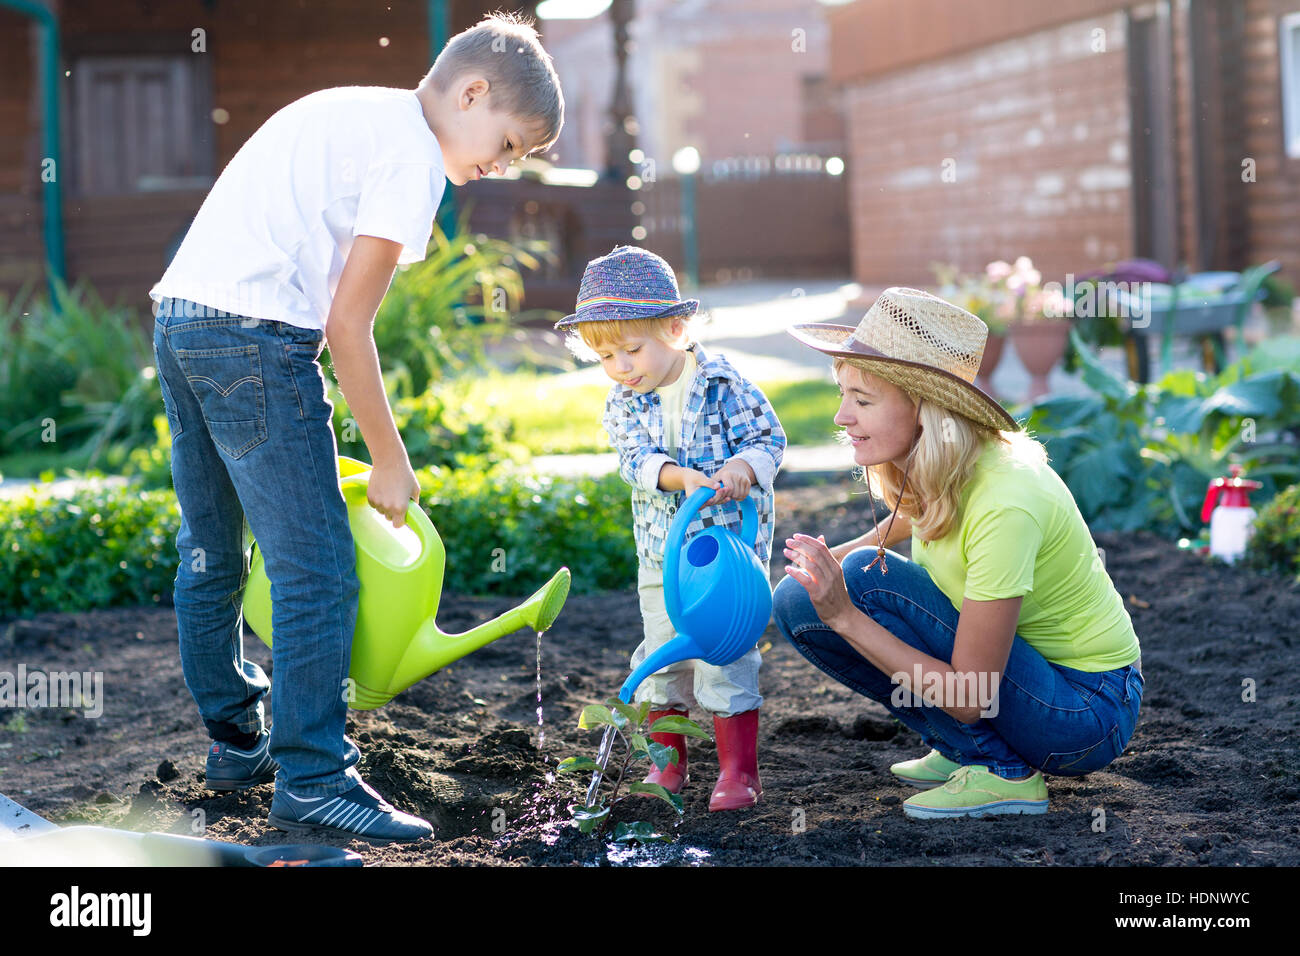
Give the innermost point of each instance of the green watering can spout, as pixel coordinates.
(397, 641)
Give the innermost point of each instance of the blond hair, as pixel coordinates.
(505, 50)
(942, 464)
(586, 339)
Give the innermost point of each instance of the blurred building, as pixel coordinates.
(746, 83)
(1076, 132)
(729, 77)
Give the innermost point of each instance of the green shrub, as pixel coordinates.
(507, 530)
(1275, 544)
(438, 427)
(103, 546)
(1141, 456)
(438, 312)
(81, 365)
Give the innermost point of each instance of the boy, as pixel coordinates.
(293, 249)
(681, 420)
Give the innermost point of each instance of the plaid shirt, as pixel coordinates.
(724, 417)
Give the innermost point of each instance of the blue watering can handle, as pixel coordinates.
(677, 538)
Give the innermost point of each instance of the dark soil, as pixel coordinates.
(1208, 778)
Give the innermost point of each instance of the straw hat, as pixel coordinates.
(922, 344)
(629, 283)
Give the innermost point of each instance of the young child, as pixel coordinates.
(682, 420)
(293, 249)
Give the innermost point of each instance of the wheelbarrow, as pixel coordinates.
(1203, 305)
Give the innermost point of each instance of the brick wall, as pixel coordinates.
(1273, 200)
(1031, 131)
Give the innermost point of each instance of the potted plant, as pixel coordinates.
(1037, 325)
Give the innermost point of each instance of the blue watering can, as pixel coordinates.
(718, 598)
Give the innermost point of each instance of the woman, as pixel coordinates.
(1002, 642)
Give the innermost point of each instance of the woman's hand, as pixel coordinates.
(813, 566)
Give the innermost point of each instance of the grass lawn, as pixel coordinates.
(556, 419)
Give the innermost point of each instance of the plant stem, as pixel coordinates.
(622, 771)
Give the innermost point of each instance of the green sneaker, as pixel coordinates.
(924, 772)
(975, 791)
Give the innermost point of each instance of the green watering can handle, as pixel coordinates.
(354, 492)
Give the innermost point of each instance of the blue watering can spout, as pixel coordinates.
(718, 599)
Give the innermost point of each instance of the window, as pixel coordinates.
(139, 123)
(1289, 52)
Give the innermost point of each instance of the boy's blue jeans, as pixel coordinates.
(252, 440)
(1048, 717)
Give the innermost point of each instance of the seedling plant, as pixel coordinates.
(631, 749)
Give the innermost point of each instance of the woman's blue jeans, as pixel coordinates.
(1047, 717)
(252, 440)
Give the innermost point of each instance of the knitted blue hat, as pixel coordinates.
(629, 283)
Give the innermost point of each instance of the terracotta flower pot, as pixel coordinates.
(1040, 345)
(989, 362)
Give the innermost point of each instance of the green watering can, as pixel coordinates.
(397, 641)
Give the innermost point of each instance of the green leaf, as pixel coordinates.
(639, 742)
(639, 832)
(1182, 413)
(1097, 478)
(657, 790)
(588, 818)
(577, 763)
(627, 711)
(663, 755)
(1096, 376)
(1258, 396)
(594, 715)
(678, 725)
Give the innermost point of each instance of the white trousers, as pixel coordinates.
(691, 684)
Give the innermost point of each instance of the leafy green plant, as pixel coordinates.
(1140, 456)
(1277, 291)
(439, 312)
(438, 427)
(1275, 543)
(103, 546)
(507, 529)
(631, 750)
(84, 366)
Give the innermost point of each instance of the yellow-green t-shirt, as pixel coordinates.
(1020, 534)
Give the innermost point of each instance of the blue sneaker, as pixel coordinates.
(359, 813)
(230, 768)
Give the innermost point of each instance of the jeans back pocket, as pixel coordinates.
(228, 385)
(1079, 762)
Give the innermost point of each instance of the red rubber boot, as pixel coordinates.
(673, 777)
(738, 785)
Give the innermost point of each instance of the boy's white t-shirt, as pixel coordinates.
(672, 399)
(271, 238)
